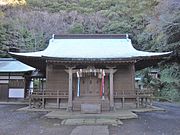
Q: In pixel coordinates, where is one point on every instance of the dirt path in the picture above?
(13, 122)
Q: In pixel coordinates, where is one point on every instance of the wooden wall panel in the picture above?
(106, 85)
(16, 83)
(4, 92)
(74, 86)
(124, 79)
(57, 79)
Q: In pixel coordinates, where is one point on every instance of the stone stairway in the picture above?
(91, 102)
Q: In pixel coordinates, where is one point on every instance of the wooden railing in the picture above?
(49, 94)
(124, 93)
(142, 97)
(132, 94)
(37, 98)
(144, 93)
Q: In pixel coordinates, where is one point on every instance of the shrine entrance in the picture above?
(93, 87)
(90, 86)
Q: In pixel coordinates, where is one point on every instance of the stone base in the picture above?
(112, 108)
(91, 108)
(69, 109)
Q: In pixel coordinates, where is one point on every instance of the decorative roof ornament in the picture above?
(53, 37)
(127, 36)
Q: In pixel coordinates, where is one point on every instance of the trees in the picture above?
(49, 17)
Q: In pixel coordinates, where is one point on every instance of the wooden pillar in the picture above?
(133, 85)
(49, 69)
(30, 100)
(43, 100)
(137, 99)
(123, 99)
(133, 76)
(111, 90)
(70, 90)
(58, 99)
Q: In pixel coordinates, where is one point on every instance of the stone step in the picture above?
(104, 104)
(87, 98)
(90, 108)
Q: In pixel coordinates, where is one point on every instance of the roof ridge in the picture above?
(90, 36)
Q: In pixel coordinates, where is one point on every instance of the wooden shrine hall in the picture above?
(89, 73)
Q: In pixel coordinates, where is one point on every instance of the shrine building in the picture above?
(89, 71)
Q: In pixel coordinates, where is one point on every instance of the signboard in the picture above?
(16, 93)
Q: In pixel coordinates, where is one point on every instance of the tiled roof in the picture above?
(12, 65)
(91, 49)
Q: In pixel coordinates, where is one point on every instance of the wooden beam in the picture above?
(88, 71)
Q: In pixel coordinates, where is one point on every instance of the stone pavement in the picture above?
(148, 109)
(90, 130)
(92, 121)
(104, 118)
(63, 114)
(14, 103)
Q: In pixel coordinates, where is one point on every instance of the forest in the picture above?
(154, 25)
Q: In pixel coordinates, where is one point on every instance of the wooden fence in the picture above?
(142, 97)
(39, 96)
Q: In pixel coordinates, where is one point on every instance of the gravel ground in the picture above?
(152, 123)
(13, 122)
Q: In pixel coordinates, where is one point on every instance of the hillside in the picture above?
(154, 25)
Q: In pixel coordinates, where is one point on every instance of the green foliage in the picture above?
(76, 29)
(163, 33)
(23, 39)
(170, 94)
(168, 86)
(29, 41)
(116, 27)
